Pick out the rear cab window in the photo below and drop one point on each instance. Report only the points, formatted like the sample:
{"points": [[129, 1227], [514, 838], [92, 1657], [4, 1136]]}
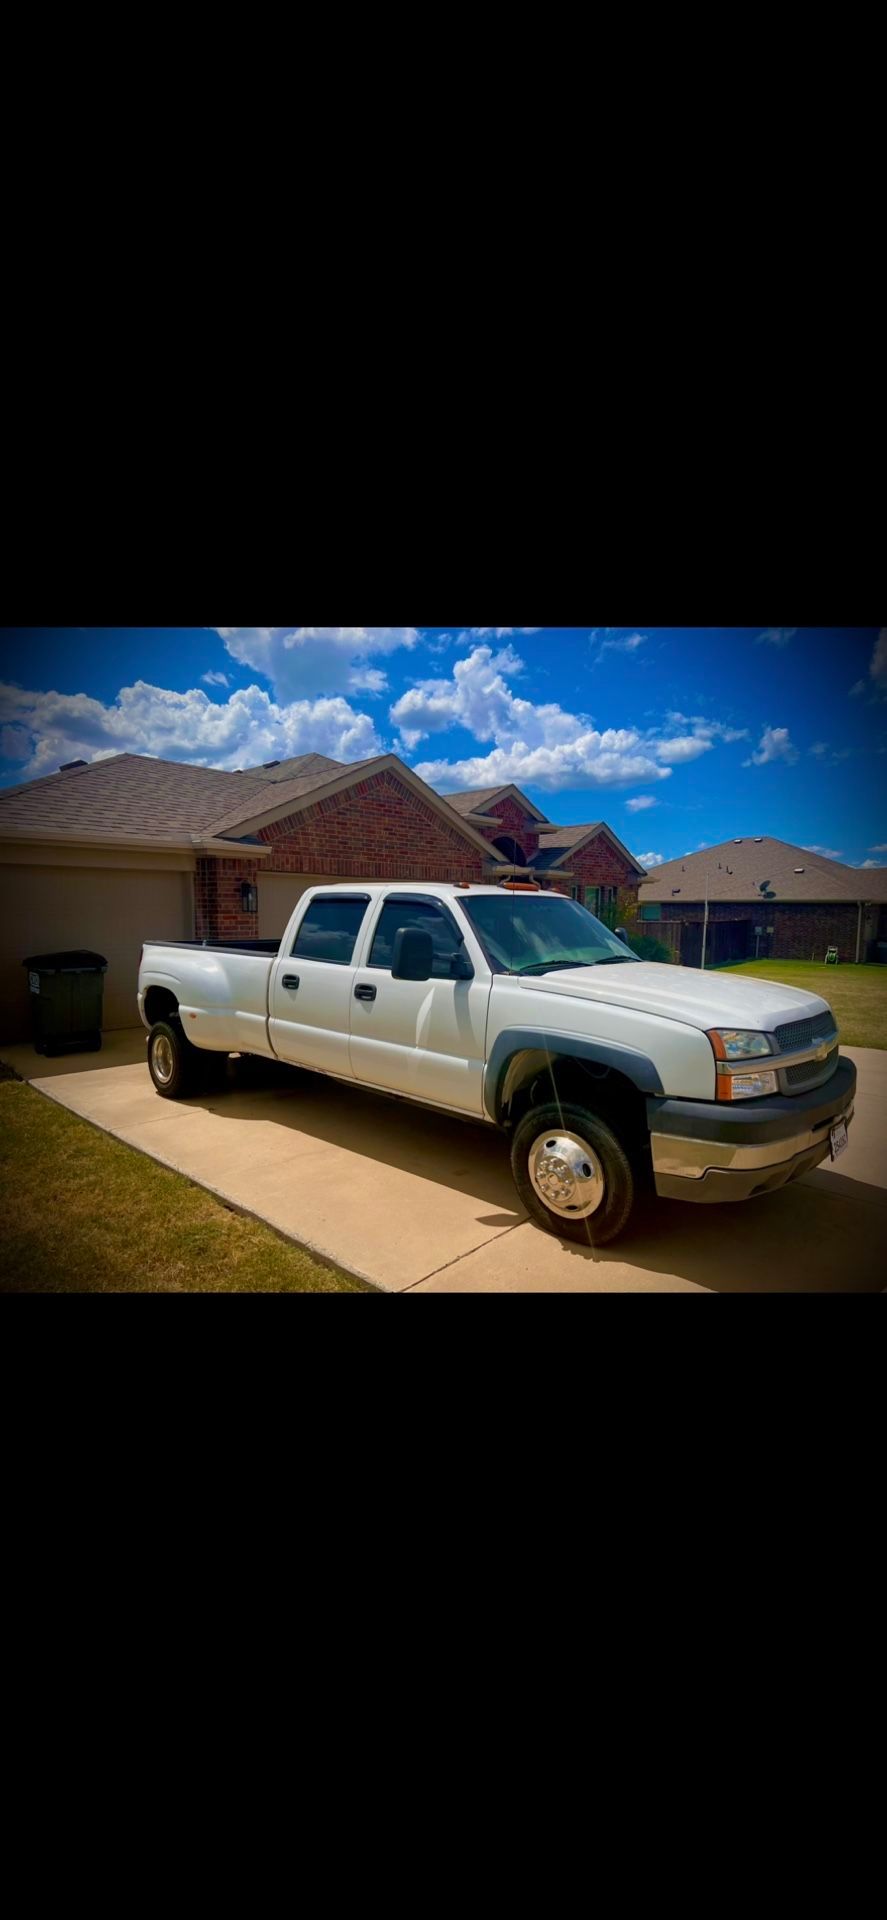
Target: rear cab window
{"points": [[330, 928]]}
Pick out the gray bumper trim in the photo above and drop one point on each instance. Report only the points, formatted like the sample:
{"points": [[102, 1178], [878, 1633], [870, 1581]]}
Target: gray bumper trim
{"points": [[692, 1159], [721, 1184]]}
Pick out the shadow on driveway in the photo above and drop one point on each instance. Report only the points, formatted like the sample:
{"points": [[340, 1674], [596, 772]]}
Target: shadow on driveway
{"points": [[823, 1234]]}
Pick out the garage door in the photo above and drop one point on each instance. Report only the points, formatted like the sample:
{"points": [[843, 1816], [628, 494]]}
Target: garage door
{"points": [[279, 892], [112, 911]]}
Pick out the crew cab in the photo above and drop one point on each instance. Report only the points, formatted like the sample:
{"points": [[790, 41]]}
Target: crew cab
{"points": [[520, 1010]]}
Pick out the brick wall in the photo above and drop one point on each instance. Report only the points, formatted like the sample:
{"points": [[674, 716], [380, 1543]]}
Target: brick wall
{"points": [[377, 830], [219, 914], [597, 864], [798, 930], [513, 820], [802, 931]]}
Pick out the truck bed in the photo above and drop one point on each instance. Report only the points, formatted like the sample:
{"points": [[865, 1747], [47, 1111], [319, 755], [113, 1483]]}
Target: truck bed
{"points": [[269, 947]]}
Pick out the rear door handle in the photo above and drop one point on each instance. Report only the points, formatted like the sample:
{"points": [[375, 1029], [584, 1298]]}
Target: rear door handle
{"points": [[364, 993], [291, 980]]}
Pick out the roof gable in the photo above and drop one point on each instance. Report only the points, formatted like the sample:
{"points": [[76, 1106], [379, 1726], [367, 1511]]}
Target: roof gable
{"points": [[566, 840], [482, 800], [293, 796]]}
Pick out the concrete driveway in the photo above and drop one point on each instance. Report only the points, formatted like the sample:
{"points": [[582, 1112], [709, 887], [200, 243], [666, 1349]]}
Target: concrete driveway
{"points": [[415, 1202]]}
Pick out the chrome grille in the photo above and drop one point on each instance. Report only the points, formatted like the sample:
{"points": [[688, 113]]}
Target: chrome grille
{"points": [[803, 1033], [811, 1073]]}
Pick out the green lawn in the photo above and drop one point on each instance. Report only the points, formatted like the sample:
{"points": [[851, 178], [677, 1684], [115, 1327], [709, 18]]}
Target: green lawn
{"points": [[82, 1213], [857, 995]]}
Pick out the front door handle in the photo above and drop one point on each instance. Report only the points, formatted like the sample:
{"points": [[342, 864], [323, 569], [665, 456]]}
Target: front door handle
{"points": [[364, 993], [291, 980]]}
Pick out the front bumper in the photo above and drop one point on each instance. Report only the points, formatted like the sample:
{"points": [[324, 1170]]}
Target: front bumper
{"points": [[704, 1150]]}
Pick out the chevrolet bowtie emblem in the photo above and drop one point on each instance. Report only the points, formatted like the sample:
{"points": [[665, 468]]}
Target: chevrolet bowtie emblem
{"points": [[822, 1053]]}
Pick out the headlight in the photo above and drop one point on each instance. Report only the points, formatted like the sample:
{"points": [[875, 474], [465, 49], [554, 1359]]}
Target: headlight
{"points": [[736, 1043], [746, 1086]]}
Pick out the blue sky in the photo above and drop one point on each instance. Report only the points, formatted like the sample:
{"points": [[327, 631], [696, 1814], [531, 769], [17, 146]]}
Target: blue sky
{"points": [[678, 737]]}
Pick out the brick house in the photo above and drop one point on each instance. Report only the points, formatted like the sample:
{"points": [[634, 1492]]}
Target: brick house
{"points": [[587, 863], [125, 849], [766, 899]]}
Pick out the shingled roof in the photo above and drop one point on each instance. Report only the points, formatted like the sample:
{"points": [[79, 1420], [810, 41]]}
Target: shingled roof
{"points": [[134, 797], [481, 801], [737, 869], [127, 794], [299, 768]]}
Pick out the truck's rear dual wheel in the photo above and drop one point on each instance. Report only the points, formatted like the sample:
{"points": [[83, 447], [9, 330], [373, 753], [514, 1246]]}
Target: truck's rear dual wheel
{"points": [[573, 1174], [176, 1067]]}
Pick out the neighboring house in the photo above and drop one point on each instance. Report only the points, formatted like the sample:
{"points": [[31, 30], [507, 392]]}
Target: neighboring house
{"points": [[587, 863], [767, 900], [121, 850]]}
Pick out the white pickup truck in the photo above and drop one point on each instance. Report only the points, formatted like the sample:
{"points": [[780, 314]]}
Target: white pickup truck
{"points": [[519, 1009]]}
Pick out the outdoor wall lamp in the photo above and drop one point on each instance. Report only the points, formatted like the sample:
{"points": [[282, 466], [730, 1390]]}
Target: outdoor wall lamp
{"points": [[249, 897]]}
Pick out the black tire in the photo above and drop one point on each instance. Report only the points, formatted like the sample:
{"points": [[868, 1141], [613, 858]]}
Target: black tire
{"points": [[608, 1165], [172, 1061]]}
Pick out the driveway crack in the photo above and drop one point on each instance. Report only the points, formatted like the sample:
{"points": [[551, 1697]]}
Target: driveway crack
{"points": [[462, 1256]]}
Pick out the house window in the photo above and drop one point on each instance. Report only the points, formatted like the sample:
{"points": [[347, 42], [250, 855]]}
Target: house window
{"points": [[512, 850], [652, 912], [330, 928], [598, 899]]}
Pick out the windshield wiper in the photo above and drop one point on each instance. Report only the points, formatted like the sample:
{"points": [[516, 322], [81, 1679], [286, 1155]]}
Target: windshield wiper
{"points": [[614, 960], [551, 966]]}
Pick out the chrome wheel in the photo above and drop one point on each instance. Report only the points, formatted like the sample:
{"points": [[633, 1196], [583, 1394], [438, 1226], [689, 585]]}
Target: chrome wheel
{"points": [[567, 1174], [163, 1059]]}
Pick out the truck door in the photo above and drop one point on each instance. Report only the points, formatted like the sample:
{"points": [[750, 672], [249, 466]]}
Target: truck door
{"points": [[421, 1037], [309, 1007]]}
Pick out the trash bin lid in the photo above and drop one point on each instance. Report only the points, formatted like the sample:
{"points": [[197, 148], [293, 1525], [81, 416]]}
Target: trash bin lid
{"points": [[79, 960]]}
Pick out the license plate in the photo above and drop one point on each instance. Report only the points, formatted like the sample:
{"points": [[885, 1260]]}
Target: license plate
{"points": [[838, 1138]]}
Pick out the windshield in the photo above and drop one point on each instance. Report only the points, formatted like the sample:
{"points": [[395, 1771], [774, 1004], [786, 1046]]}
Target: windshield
{"points": [[537, 933]]}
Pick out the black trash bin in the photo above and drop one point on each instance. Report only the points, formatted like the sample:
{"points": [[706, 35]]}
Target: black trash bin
{"points": [[66, 1001]]}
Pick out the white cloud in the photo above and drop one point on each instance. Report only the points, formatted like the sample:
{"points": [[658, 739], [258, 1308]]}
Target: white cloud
{"points": [[683, 747], [300, 661], [651, 859], [775, 745], [828, 853], [819, 747], [213, 679], [857, 690], [245, 730], [367, 680], [776, 636], [640, 803], [707, 729], [483, 633], [629, 644], [863, 864], [539, 743], [880, 849]]}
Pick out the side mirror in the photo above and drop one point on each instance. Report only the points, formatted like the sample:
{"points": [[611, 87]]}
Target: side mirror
{"points": [[621, 934], [413, 957]]}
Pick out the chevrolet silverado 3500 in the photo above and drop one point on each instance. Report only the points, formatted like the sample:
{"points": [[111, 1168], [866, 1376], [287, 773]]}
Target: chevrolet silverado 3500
{"points": [[522, 1011]]}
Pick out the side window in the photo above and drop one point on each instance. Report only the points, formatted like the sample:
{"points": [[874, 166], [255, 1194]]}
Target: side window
{"points": [[329, 930], [414, 913]]}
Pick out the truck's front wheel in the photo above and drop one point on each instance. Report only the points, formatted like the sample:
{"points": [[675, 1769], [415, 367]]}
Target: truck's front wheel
{"points": [[172, 1061], [573, 1174]]}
